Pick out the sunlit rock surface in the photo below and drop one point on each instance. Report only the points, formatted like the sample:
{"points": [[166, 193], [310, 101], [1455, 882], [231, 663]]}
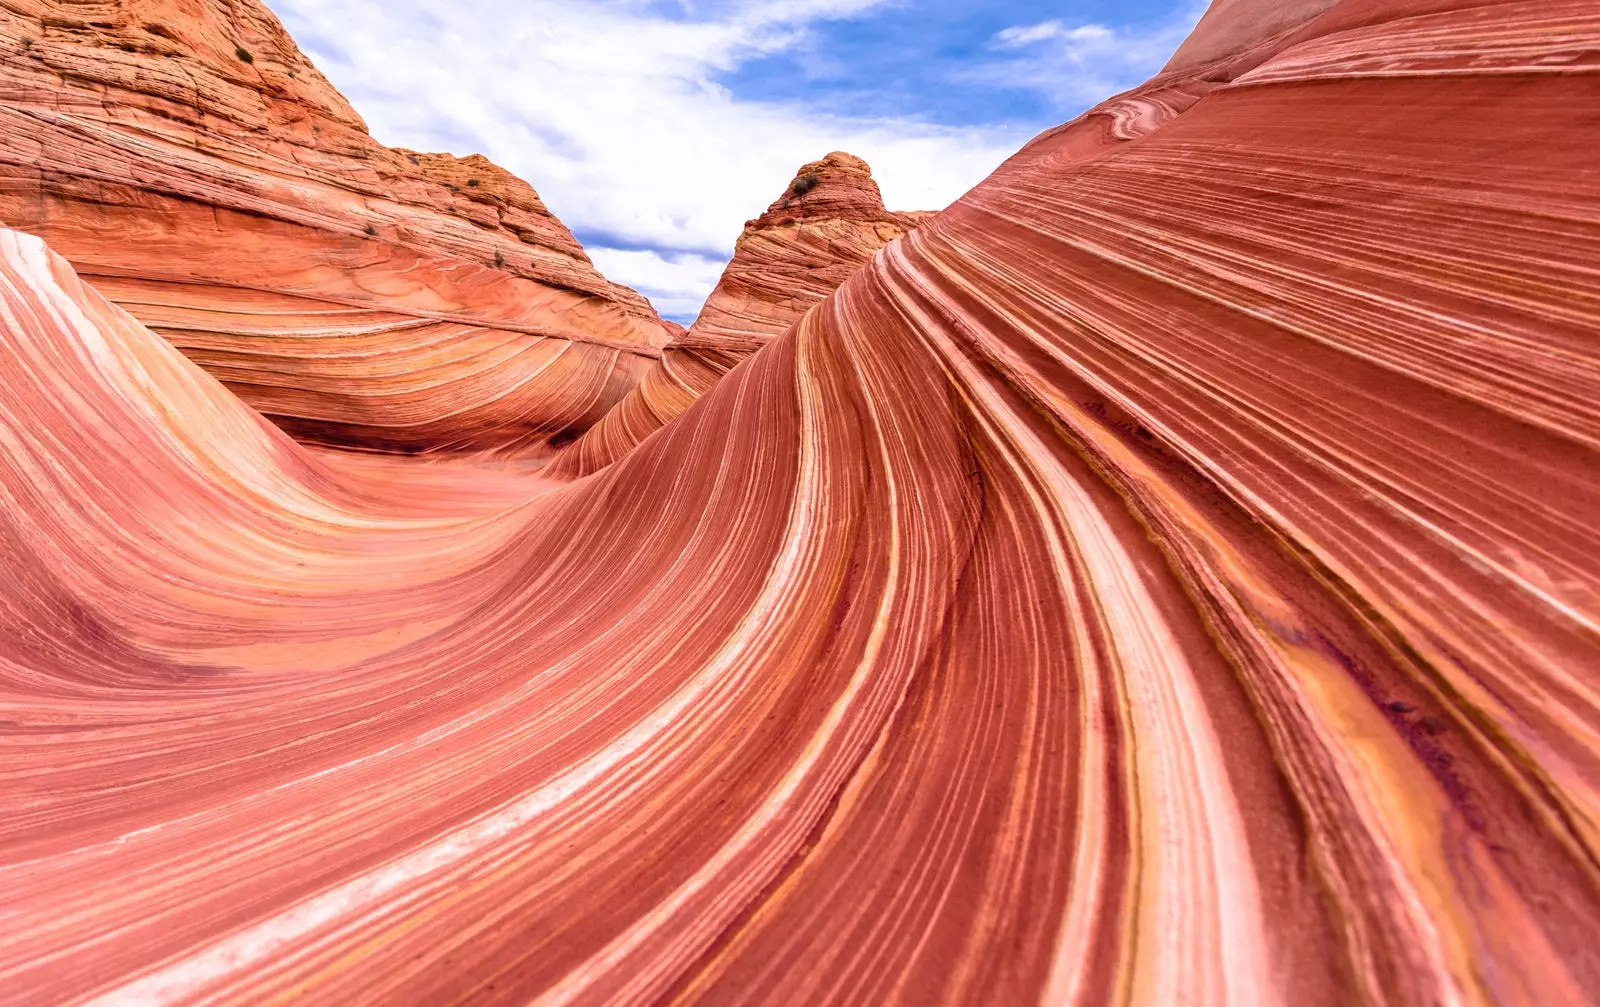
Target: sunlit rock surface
{"points": [[191, 163], [828, 223], [1170, 576]]}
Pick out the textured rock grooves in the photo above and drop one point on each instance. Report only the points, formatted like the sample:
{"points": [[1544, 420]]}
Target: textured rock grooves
{"points": [[1171, 576], [356, 294], [828, 223]]}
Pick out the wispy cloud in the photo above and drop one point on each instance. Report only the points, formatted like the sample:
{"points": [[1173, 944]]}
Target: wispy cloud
{"points": [[1018, 36], [1076, 65], [677, 283]]}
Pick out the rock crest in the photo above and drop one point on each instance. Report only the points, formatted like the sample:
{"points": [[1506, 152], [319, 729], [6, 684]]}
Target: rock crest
{"points": [[829, 222]]}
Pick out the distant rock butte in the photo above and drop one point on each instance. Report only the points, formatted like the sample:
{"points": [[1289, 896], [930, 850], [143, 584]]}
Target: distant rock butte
{"points": [[825, 226], [197, 169], [829, 222]]}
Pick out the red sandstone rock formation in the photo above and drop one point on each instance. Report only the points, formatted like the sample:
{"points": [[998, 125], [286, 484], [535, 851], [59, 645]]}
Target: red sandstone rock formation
{"points": [[828, 223], [199, 170], [1172, 578], [825, 226]]}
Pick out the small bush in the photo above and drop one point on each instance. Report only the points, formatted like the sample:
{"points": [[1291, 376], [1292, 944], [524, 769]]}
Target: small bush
{"points": [[27, 43], [499, 260], [372, 232], [244, 55], [473, 182], [805, 183]]}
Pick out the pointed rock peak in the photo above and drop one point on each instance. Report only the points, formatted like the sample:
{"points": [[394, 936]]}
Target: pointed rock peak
{"points": [[838, 187], [838, 162]]}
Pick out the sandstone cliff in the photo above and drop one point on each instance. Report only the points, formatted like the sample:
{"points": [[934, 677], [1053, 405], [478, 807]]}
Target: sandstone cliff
{"points": [[186, 158]]}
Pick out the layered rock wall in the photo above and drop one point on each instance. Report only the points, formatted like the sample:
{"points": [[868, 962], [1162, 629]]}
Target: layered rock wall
{"points": [[197, 168], [827, 224]]}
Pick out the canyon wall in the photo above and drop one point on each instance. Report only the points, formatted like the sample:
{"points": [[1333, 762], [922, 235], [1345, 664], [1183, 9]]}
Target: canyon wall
{"points": [[193, 164]]}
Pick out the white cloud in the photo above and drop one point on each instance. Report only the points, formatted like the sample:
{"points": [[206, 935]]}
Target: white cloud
{"points": [[1025, 35], [677, 283], [1077, 66], [614, 114]]}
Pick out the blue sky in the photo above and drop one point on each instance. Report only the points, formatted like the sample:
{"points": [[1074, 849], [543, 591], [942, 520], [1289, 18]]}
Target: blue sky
{"points": [[655, 128]]}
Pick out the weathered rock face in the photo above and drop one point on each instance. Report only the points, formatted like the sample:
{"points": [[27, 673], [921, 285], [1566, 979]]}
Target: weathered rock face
{"points": [[186, 158], [1172, 577], [828, 223]]}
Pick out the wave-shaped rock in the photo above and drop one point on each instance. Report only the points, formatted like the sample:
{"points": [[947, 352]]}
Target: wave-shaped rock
{"points": [[199, 170], [828, 223], [1171, 577]]}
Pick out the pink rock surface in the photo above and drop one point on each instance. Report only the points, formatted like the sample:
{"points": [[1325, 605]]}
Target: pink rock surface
{"points": [[356, 294], [1173, 577]]}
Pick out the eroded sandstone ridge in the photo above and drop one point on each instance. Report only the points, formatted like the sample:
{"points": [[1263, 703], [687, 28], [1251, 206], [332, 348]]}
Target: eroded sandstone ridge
{"points": [[828, 223], [191, 163], [1170, 577]]}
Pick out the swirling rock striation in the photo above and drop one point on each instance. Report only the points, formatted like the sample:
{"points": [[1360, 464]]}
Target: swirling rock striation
{"points": [[828, 223], [187, 158], [1172, 577]]}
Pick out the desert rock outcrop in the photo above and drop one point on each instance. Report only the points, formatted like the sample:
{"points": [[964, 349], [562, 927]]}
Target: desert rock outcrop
{"points": [[825, 226], [828, 223], [191, 163]]}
